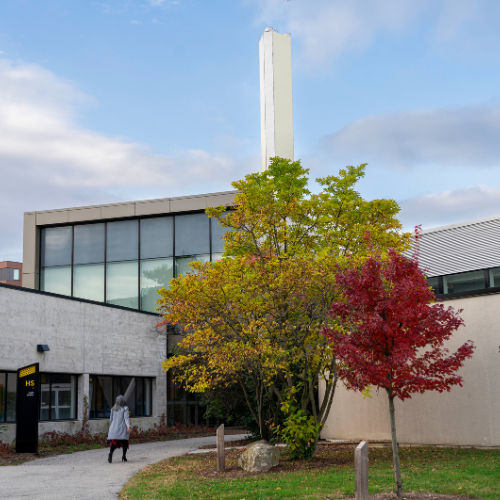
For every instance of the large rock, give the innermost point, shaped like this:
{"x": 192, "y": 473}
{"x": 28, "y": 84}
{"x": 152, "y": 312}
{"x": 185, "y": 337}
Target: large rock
{"x": 259, "y": 457}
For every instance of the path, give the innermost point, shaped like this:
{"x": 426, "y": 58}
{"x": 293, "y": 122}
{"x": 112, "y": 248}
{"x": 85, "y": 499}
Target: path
{"x": 87, "y": 475}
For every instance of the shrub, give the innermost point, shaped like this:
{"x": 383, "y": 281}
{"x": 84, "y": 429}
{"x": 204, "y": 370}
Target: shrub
{"x": 299, "y": 431}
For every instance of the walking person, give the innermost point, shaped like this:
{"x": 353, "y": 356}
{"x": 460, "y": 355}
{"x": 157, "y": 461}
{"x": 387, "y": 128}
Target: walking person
{"x": 119, "y": 429}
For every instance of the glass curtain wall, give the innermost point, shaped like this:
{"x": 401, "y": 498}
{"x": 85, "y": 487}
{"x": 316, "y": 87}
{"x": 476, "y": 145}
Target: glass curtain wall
{"x": 103, "y": 391}
{"x": 58, "y": 395}
{"x": 126, "y": 262}
{"x": 8, "y": 396}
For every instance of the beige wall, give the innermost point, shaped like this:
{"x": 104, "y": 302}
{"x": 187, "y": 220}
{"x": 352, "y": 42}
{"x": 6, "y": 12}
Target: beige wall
{"x": 33, "y": 221}
{"x": 468, "y": 415}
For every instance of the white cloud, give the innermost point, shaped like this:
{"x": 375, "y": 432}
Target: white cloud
{"x": 135, "y": 21}
{"x": 327, "y": 29}
{"x": 459, "y": 136}
{"x": 48, "y": 161}
{"x": 449, "y": 207}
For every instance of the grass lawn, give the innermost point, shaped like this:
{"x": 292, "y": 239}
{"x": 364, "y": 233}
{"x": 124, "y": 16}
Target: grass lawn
{"x": 468, "y": 472}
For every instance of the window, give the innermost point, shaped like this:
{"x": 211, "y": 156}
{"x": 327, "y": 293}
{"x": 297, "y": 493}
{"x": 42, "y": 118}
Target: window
{"x": 192, "y": 234}
{"x": 155, "y": 274}
{"x": 473, "y": 280}
{"x": 16, "y": 274}
{"x": 56, "y": 250}
{"x": 217, "y": 233}
{"x": 103, "y": 391}
{"x": 126, "y": 262}
{"x": 494, "y": 276}
{"x": 434, "y": 283}
{"x": 58, "y": 394}
{"x": 8, "y": 396}
{"x": 182, "y": 263}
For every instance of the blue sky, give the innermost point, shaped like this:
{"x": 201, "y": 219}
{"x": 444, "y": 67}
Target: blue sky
{"x": 118, "y": 100}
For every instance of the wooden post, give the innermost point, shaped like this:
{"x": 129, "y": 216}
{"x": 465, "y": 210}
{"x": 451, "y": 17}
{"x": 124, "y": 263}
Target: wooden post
{"x": 221, "y": 452}
{"x": 361, "y": 470}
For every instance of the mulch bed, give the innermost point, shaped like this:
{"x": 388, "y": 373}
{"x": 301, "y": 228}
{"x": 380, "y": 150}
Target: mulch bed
{"x": 415, "y": 496}
{"x": 320, "y": 461}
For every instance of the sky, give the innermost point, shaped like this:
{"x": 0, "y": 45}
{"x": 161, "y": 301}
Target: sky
{"x": 121, "y": 100}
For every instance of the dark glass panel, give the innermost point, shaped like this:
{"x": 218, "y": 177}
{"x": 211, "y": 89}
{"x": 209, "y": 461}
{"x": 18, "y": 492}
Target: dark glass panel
{"x": 139, "y": 397}
{"x": 495, "y": 277}
{"x": 104, "y": 395}
{"x": 3, "y": 391}
{"x": 192, "y": 234}
{"x": 89, "y": 244}
{"x": 122, "y": 240}
{"x": 11, "y": 397}
{"x": 128, "y": 391}
{"x": 148, "y": 399}
{"x": 44, "y": 396}
{"x": 463, "y": 282}
{"x": 157, "y": 237}
{"x": 117, "y": 388}
{"x": 434, "y": 283}
{"x": 217, "y": 233}
{"x": 56, "y": 246}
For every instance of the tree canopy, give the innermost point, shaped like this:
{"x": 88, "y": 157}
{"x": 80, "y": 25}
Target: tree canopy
{"x": 256, "y": 315}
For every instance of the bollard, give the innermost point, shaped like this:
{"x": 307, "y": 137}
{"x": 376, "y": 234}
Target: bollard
{"x": 361, "y": 470}
{"x": 221, "y": 452}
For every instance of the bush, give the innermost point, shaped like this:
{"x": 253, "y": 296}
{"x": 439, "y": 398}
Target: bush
{"x": 5, "y": 449}
{"x": 299, "y": 432}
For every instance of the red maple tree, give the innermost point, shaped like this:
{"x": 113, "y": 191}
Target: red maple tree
{"x": 389, "y": 332}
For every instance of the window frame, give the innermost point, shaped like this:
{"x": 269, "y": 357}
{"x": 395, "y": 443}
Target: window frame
{"x": 139, "y": 260}
{"x": 93, "y": 402}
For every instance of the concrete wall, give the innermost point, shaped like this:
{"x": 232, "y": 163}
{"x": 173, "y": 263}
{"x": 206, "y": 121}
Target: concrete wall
{"x": 33, "y": 221}
{"x": 468, "y": 415}
{"x": 84, "y": 338}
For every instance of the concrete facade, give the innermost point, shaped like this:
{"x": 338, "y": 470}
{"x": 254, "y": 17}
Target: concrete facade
{"x": 276, "y": 99}
{"x": 34, "y": 221}
{"x": 84, "y": 338}
{"x": 467, "y": 415}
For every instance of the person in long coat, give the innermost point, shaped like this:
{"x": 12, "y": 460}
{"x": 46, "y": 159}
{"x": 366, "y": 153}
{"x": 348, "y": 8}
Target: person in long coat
{"x": 119, "y": 429}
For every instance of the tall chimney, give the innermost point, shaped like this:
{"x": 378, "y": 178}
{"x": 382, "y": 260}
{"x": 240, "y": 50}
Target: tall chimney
{"x": 276, "y": 105}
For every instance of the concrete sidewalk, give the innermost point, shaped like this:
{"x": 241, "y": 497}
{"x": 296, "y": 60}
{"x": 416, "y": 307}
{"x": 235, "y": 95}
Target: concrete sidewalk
{"x": 87, "y": 475}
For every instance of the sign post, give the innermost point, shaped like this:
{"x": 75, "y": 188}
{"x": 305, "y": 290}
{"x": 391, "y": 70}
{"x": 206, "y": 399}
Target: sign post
{"x": 27, "y": 408}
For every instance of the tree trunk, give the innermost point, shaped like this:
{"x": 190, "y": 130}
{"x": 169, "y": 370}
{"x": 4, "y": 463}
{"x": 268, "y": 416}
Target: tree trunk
{"x": 395, "y": 450}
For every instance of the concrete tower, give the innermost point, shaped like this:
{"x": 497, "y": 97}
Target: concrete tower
{"x": 276, "y": 106}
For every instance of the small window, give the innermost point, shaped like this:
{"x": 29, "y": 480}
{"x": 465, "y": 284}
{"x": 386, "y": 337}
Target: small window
{"x": 434, "y": 284}
{"x": 495, "y": 277}
{"x": 463, "y": 282}
{"x": 16, "y": 274}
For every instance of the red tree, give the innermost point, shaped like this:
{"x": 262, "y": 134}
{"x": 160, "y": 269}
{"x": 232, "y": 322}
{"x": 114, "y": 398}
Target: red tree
{"x": 389, "y": 332}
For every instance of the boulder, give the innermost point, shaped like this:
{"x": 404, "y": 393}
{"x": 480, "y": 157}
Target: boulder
{"x": 259, "y": 457}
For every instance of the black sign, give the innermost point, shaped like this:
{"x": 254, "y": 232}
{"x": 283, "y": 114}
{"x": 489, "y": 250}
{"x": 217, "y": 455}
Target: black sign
{"x": 28, "y": 395}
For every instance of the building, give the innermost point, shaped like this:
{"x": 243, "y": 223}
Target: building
{"x": 90, "y": 279}
{"x": 463, "y": 266}
{"x": 11, "y": 273}
{"x": 91, "y": 276}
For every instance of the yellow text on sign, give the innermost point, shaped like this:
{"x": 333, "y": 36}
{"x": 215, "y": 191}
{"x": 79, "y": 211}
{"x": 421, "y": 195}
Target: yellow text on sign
{"x": 30, "y": 383}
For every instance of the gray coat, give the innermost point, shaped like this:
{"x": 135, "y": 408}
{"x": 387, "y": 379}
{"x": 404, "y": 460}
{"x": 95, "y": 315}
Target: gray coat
{"x": 118, "y": 424}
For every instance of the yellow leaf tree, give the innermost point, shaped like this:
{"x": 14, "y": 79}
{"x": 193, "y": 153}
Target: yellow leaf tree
{"x": 254, "y": 317}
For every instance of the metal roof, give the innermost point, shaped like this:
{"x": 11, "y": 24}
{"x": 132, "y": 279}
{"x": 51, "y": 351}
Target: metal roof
{"x": 457, "y": 248}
